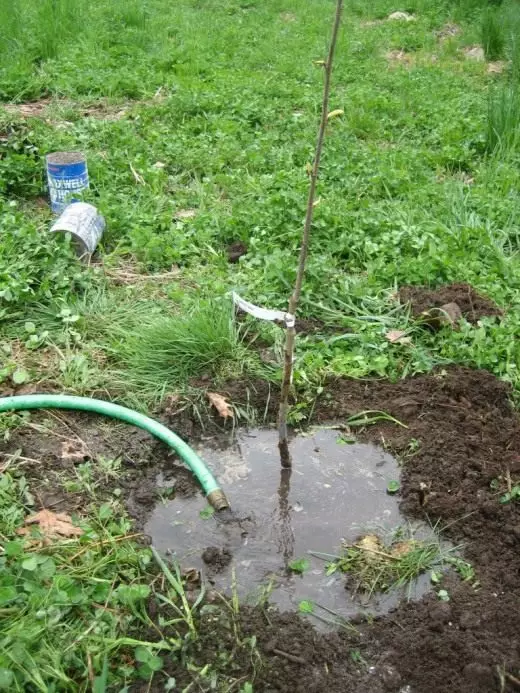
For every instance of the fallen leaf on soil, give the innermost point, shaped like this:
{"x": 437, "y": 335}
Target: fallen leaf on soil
{"x": 402, "y": 548}
{"x": 401, "y": 16}
{"x": 74, "y": 451}
{"x": 336, "y": 112}
{"x": 51, "y": 524}
{"x": 221, "y": 404}
{"x": 371, "y": 543}
{"x": 398, "y": 337}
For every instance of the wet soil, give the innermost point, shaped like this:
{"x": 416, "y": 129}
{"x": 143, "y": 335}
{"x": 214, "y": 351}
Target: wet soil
{"x": 473, "y": 305}
{"x": 336, "y": 491}
{"x": 459, "y": 452}
{"x": 55, "y": 448}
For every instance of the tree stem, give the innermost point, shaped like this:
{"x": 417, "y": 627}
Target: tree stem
{"x": 290, "y": 338}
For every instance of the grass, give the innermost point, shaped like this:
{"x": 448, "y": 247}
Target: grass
{"x": 504, "y": 111}
{"x": 198, "y": 121}
{"x": 170, "y": 351}
{"x": 77, "y": 613}
{"x": 493, "y": 40}
{"x": 375, "y": 565}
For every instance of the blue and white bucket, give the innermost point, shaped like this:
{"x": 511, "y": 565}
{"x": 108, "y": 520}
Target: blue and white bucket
{"x": 67, "y": 174}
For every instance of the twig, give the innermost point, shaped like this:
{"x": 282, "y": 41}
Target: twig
{"x": 290, "y": 657}
{"x": 137, "y": 176}
{"x": 508, "y": 480}
{"x": 283, "y": 442}
{"x": 512, "y": 679}
{"x": 370, "y": 550}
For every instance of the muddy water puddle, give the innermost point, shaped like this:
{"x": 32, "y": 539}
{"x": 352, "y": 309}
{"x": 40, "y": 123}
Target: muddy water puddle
{"x": 336, "y": 491}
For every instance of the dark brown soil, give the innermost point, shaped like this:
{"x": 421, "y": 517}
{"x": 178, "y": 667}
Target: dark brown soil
{"x": 461, "y": 438}
{"x": 55, "y": 446}
{"x": 472, "y": 305}
{"x": 235, "y": 251}
{"x": 65, "y": 158}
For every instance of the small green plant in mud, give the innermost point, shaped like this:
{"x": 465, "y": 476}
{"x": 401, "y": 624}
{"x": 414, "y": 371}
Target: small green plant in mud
{"x": 299, "y": 565}
{"x": 512, "y": 495}
{"x": 507, "y": 489}
{"x": 377, "y": 566}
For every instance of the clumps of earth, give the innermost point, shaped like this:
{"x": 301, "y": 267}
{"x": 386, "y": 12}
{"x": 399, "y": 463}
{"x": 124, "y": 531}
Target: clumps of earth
{"x": 217, "y": 559}
{"x": 447, "y": 305}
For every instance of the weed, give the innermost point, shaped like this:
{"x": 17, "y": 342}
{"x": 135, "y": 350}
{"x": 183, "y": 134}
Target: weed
{"x": 299, "y": 565}
{"x": 512, "y": 495}
{"x": 167, "y": 353}
{"x": 379, "y": 567}
{"x": 493, "y": 40}
{"x": 503, "y": 119}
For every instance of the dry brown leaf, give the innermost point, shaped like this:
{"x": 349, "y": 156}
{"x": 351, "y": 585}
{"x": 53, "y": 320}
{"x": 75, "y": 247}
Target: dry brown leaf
{"x": 51, "y": 524}
{"x": 336, "y": 112}
{"x": 221, "y": 404}
{"x": 370, "y": 543}
{"x": 398, "y": 337}
{"x": 402, "y": 548}
{"x": 74, "y": 451}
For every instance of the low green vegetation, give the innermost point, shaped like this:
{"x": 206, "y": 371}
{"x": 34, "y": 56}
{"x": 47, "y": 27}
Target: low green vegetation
{"x": 417, "y": 187}
{"x": 78, "y": 604}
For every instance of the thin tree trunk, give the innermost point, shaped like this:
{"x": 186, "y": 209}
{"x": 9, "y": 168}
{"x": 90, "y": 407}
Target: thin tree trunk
{"x": 295, "y": 298}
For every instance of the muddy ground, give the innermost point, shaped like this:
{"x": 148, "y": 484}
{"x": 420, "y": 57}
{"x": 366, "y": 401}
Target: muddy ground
{"x": 460, "y": 451}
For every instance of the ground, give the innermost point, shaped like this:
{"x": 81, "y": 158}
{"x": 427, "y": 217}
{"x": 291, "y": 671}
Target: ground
{"x": 198, "y": 123}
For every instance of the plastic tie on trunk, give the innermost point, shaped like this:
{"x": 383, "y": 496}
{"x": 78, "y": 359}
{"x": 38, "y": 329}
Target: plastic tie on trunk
{"x": 263, "y": 313}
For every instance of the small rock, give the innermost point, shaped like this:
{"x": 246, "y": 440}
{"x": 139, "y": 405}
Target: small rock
{"x": 474, "y": 53}
{"x": 401, "y": 17}
{"x": 496, "y": 67}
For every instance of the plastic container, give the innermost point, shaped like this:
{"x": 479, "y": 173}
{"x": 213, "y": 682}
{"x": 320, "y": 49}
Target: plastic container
{"x": 66, "y": 174}
{"x": 85, "y": 225}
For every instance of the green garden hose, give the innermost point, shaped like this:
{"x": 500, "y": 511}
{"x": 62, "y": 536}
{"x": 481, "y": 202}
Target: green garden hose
{"x": 214, "y": 493}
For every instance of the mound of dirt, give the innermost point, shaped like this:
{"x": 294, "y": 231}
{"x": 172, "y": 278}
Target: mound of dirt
{"x": 473, "y": 305}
